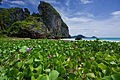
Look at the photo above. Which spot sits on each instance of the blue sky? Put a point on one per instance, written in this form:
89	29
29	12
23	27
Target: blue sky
99	18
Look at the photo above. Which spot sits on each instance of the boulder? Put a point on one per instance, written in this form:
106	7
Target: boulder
78	38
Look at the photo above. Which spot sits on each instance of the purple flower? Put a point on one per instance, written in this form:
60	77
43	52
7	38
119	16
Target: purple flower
75	46
28	49
49	56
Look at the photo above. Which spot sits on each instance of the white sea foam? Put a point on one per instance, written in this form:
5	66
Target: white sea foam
73	39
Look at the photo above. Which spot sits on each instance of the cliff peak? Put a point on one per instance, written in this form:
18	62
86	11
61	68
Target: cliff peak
52	20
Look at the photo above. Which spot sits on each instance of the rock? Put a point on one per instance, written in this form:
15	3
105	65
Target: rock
78	38
2	26
32	27
93	37
97	39
45	24
52	20
9	16
27	11
35	14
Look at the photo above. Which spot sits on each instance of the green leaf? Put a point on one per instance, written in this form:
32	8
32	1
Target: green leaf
39	77
36	60
91	75
57	54
44	77
116	70
87	78
3	78
29	61
112	62
47	70
0	51
39	68
72	75
87	64
102	66
115	76
31	67
4	51
12	51
107	78
20	77
92	58
53	75
19	64
109	58
23	49
33	78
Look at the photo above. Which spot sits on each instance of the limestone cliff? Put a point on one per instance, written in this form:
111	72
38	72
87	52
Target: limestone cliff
52	20
16	22
32	27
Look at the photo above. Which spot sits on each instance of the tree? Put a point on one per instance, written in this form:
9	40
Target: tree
35	14
26	10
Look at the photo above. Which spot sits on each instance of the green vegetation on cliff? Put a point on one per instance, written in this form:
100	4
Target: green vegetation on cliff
5	16
48	7
27	27
9	17
16	22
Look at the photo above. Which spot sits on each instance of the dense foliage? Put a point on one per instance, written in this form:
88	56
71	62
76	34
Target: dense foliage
11	16
43	59
28	28
29	22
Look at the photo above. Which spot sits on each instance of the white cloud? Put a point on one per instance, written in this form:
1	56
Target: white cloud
17	2
86	1
3	1
52	1
86	14
13	5
116	14
67	2
90	26
101	28
105	28
78	19
33	2
87	24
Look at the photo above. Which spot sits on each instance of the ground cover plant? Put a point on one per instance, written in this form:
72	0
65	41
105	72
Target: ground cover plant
43	59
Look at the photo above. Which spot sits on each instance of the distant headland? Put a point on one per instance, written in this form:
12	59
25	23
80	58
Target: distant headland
82	36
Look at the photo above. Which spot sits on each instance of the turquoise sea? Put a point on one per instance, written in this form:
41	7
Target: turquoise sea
105	39
102	39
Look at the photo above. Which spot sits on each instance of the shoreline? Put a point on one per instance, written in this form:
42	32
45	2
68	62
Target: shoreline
88	40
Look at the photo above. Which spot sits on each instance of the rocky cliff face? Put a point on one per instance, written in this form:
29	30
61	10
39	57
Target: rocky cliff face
19	23
52	20
9	16
32	27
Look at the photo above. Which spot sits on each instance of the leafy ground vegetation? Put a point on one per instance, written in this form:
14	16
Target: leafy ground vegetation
43	59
